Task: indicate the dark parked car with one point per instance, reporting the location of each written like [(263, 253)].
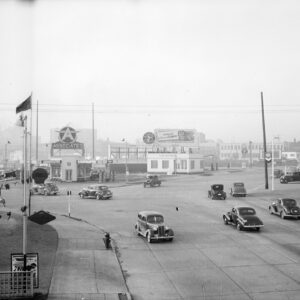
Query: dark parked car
[(152, 180), (243, 217), (150, 224), (97, 191), (285, 207), (217, 192), (238, 190), (49, 188), (290, 177)]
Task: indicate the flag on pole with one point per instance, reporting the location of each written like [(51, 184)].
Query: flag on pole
[(25, 105)]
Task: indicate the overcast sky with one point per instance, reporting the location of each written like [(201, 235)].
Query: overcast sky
[(149, 64)]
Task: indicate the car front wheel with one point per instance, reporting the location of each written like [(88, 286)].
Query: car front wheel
[(225, 220), (282, 216), (239, 227), (81, 196), (257, 228), (98, 197), (149, 237)]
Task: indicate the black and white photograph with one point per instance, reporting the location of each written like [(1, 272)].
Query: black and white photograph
[(149, 149)]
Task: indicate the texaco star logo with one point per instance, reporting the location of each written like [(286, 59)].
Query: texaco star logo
[(67, 135)]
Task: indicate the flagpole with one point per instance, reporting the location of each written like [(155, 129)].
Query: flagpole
[(24, 193), (93, 129), (30, 162)]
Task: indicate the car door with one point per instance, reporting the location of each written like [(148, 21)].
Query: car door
[(279, 206), (234, 215), (92, 192), (275, 206), (143, 225)]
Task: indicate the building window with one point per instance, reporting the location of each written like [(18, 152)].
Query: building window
[(165, 164), (154, 164), (69, 164), (183, 164), (192, 164)]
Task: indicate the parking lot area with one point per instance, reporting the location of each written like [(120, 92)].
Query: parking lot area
[(207, 259)]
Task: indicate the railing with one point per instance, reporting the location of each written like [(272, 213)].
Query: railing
[(16, 284)]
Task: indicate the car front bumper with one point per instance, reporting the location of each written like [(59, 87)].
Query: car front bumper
[(164, 237), (252, 226)]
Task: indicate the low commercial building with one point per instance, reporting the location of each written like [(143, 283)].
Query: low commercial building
[(174, 163)]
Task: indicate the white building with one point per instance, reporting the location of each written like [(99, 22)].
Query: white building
[(173, 163)]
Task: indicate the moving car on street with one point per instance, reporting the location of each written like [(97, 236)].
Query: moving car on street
[(243, 217), (96, 191), (285, 208), (295, 176), (150, 224), (49, 188), (217, 192), (152, 180), (238, 189)]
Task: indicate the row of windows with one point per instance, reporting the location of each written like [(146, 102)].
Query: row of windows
[(253, 147), (236, 155), (181, 165)]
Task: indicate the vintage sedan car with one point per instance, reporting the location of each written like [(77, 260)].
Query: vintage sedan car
[(238, 189), (150, 224), (217, 192), (295, 176), (243, 217), (96, 191), (285, 208), (49, 188), (152, 180)]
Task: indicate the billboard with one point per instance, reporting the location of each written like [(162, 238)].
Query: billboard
[(175, 135)]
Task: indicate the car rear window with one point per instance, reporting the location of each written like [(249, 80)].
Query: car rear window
[(246, 211)]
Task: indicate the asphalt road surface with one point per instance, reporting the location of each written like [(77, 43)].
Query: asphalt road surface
[(207, 259)]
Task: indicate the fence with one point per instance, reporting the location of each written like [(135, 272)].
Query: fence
[(16, 284)]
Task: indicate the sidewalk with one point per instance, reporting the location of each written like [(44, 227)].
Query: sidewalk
[(83, 268)]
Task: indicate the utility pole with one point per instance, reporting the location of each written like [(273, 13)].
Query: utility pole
[(24, 193), (37, 134), (265, 143), (93, 126)]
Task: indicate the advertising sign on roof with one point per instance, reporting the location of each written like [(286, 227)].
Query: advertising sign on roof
[(67, 142), (175, 135)]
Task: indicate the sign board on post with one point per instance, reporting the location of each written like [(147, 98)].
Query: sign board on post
[(32, 264), (268, 157)]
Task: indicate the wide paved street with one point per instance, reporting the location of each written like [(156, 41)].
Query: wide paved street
[(207, 259)]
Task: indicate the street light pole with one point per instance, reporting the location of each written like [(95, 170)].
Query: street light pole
[(5, 155), (24, 193), (273, 161)]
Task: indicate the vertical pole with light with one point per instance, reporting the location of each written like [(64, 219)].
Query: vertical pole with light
[(5, 155), (25, 105), (24, 192), (272, 176)]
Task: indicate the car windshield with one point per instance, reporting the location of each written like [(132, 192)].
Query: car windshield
[(102, 187), (246, 211), (289, 202), (155, 219)]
